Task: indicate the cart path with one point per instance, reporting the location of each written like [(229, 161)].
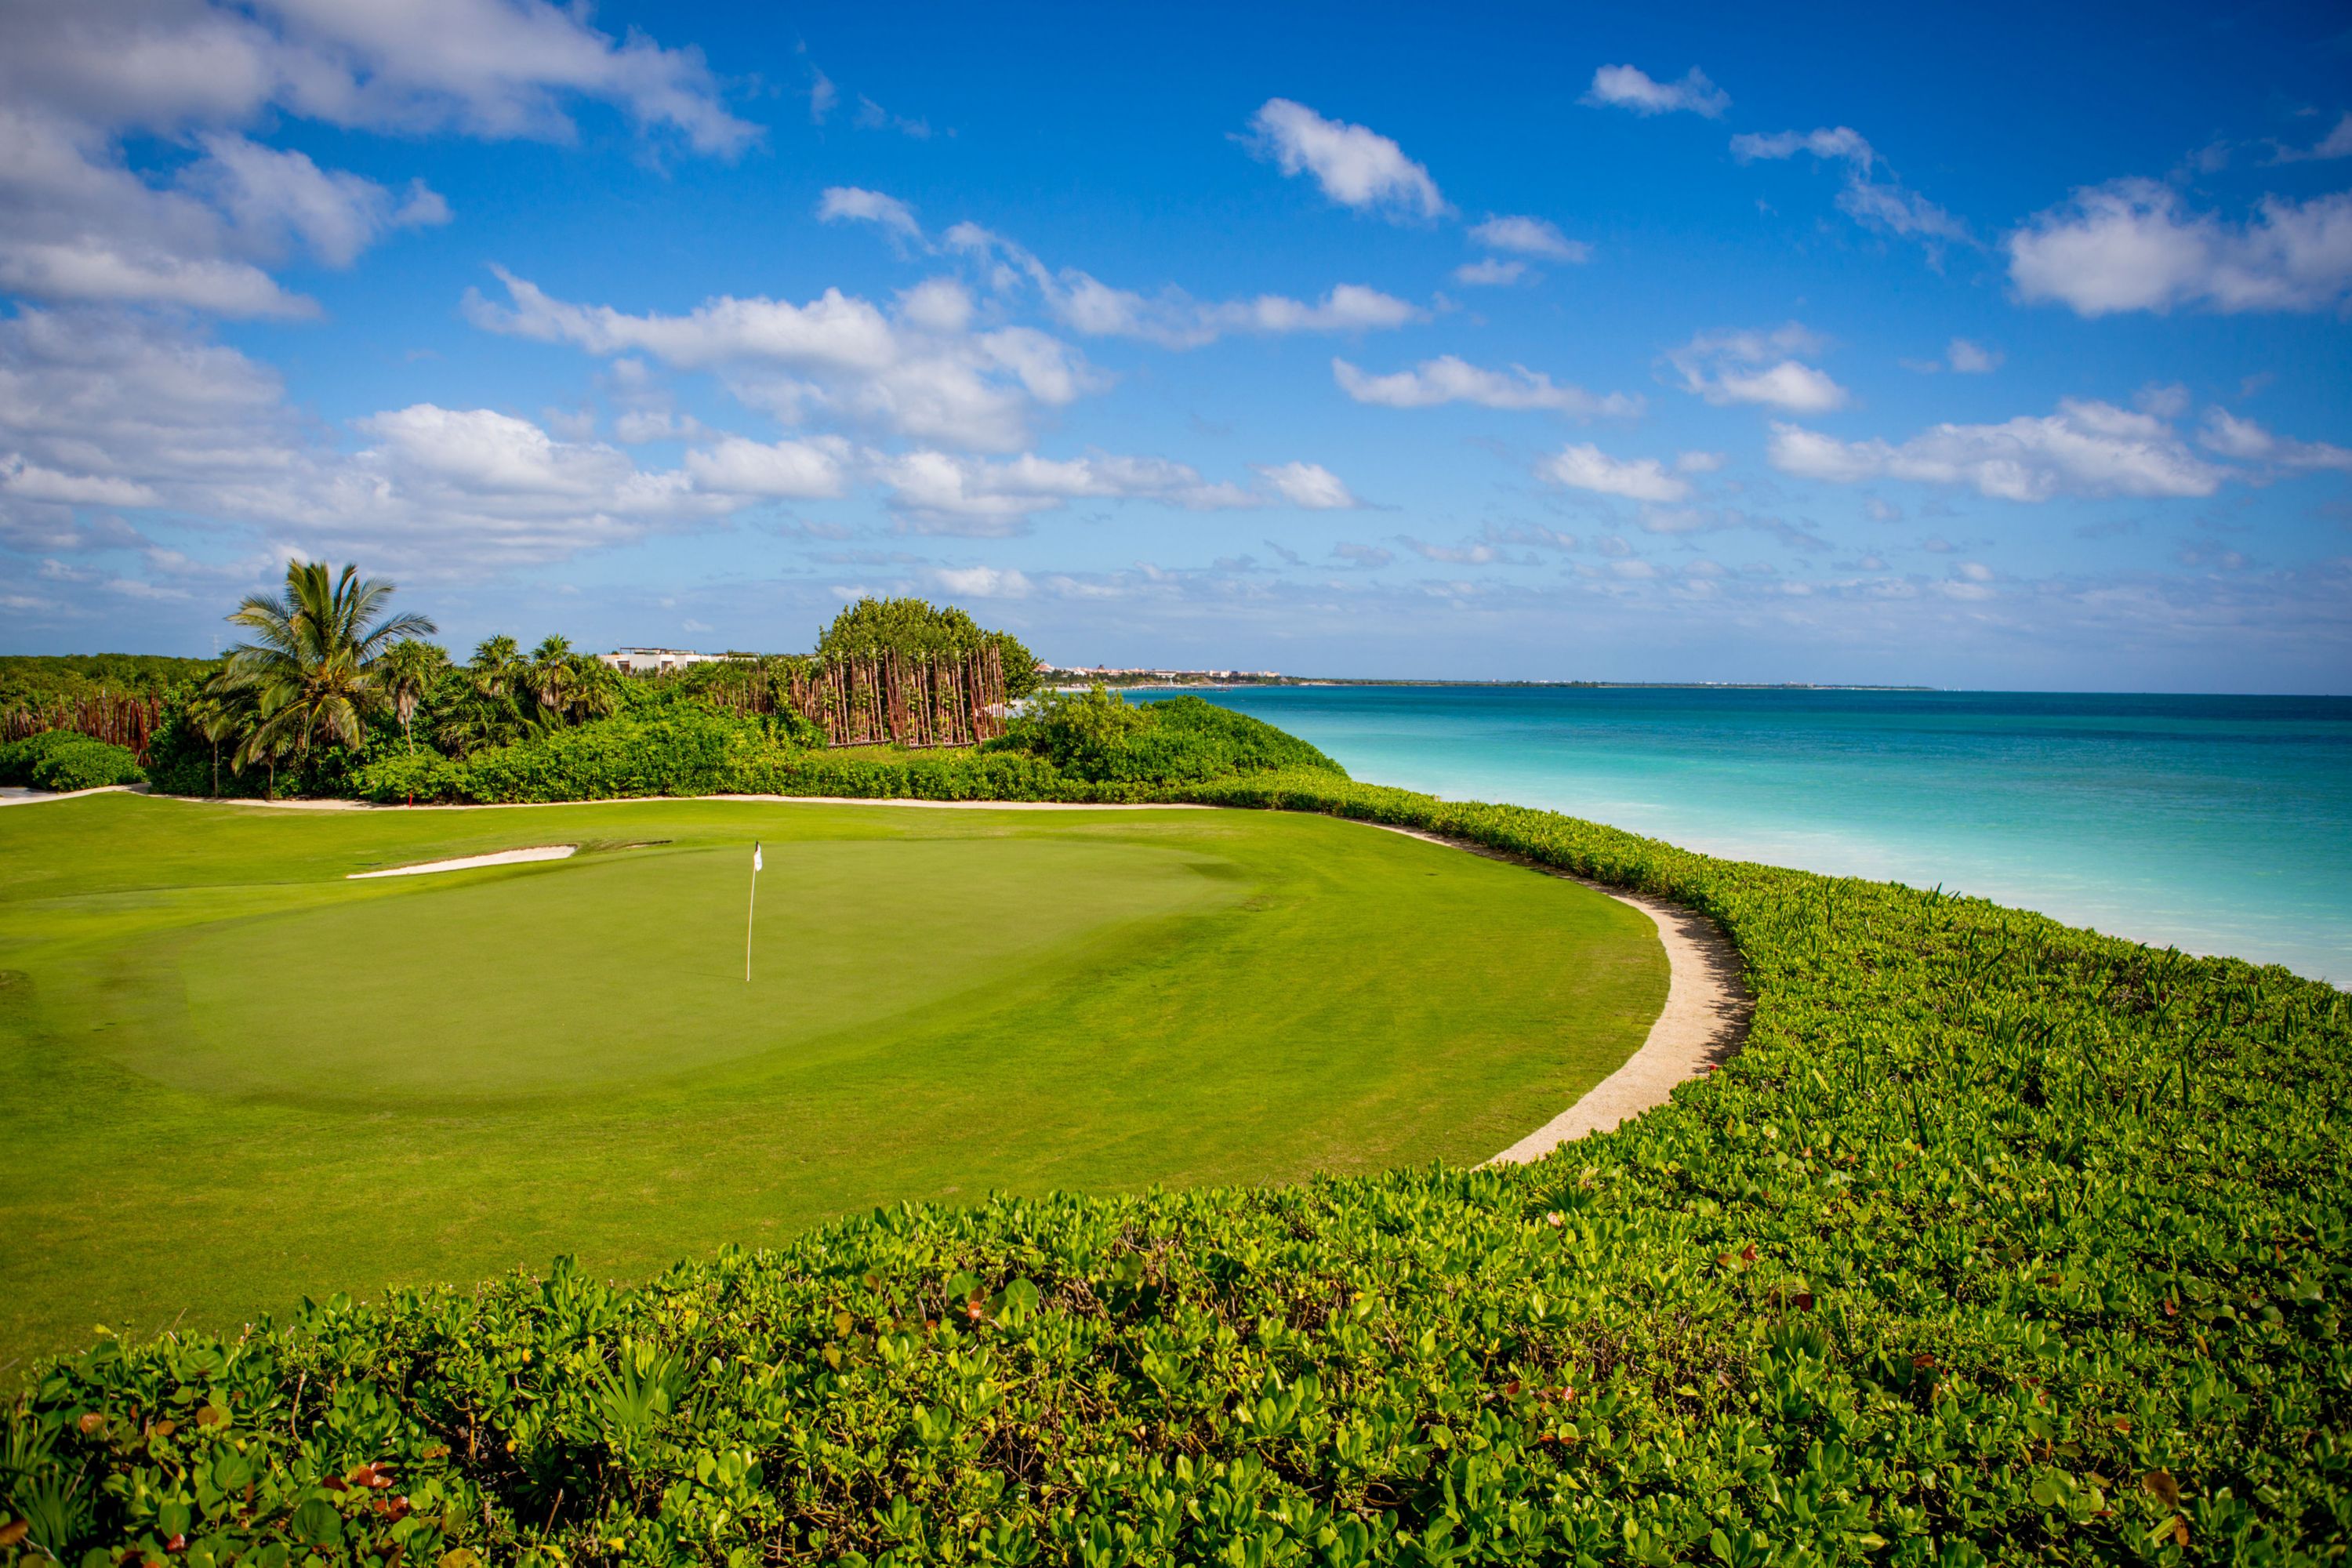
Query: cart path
[(1702, 1026)]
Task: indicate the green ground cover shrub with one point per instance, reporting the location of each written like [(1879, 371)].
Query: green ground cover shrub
[(2001, 1240), (65, 760), (92, 764), (1100, 736)]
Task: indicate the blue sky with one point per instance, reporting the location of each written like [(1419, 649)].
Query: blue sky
[(1977, 346)]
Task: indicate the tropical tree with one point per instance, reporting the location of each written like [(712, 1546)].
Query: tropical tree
[(407, 672), (496, 668), (309, 670), (553, 675), (219, 711), (596, 689), (919, 628)]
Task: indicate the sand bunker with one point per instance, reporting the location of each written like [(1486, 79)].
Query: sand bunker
[(467, 862)]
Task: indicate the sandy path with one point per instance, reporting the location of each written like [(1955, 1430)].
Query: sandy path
[(1700, 1027), (13, 795)]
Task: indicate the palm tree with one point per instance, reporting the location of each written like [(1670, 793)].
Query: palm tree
[(596, 689), (553, 675), (311, 668), (219, 713), (496, 664), (406, 672)]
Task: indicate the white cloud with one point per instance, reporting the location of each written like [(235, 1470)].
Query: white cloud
[(872, 116), (1448, 379), (1878, 203), (1628, 87), (100, 408), (849, 201), (2336, 143), (919, 371), (801, 471), (1587, 468), (1840, 142), (1757, 368), (2086, 449), (1530, 237), (984, 581), (1172, 318), (276, 198), (1491, 272), (493, 69), (1309, 486), (2243, 438), (1968, 358), (30, 482), (77, 222), (1357, 167), (942, 493), (1477, 554), (2133, 245)]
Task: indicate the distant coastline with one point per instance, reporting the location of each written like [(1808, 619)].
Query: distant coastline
[(1078, 678)]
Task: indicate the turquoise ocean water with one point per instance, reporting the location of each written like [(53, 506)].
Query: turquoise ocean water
[(2213, 824)]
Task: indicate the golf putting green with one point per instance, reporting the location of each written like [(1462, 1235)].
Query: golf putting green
[(234, 1078)]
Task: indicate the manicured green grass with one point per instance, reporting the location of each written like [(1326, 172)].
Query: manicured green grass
[(231, 1078)]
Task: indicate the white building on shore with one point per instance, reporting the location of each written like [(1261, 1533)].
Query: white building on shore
[(654, 660)]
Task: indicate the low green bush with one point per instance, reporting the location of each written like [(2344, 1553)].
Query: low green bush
[(18, 757), (63, 758), (1999, 1241), (1098, 735), (92, 764)]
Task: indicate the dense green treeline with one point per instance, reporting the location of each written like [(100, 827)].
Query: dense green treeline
[(2000, 1241), (38, 681), (1092, 746)]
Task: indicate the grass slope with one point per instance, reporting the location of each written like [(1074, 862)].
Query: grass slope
[(232, 1076)]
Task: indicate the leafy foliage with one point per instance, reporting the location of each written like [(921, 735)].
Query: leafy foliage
[(36, 680), (1098, 735), (1999, 1240), (917, 626), (63, 760), (308, 674), (92, 764)]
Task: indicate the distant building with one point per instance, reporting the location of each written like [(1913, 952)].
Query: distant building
[(654, 660)]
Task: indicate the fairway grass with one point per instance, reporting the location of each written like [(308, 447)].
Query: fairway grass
[(232, 1078)]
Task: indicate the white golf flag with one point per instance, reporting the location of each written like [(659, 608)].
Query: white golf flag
[(755, 857)]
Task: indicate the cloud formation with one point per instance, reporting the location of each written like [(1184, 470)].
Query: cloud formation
[(1357, 167), (1587, 467), (2134, 244), (201, 229), (1173, 319), (1753, 367), (1871, 195), (919, 370), (2085, 448), (1308, 486), (1629, 87), (1529, 236), (1449, 379)]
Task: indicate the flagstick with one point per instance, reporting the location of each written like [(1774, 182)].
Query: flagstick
[(750, 912)]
